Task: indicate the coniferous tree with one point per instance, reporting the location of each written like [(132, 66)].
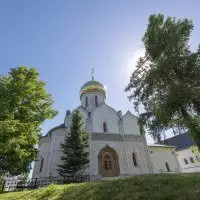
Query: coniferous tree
[(75, 156)]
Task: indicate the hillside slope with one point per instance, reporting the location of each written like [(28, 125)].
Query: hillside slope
[(151, 187)]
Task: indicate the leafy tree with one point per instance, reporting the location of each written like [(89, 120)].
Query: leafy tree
[(24, 106), (75, 149), (166, 79), (24, 178)]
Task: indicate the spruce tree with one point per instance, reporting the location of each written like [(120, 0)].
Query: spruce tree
[(75, 156)]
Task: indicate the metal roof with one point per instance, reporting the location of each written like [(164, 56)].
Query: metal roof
[(182, 141), (53, 129)]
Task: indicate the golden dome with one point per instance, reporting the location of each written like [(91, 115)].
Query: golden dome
[(93, 86)]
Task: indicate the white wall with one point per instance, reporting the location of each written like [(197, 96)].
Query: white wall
[(57, 138), (43, 153), (130, 124), (142, 163), (51, 154), (190, 167), (160, 155), (96, 147), (125, 156), (91, 100), (104, 113)]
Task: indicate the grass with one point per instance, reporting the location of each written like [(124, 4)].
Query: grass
[(147, 187)]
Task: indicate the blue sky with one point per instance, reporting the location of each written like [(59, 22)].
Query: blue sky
[(65, 39)]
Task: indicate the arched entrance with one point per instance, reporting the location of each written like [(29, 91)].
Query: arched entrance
[(108, 162)]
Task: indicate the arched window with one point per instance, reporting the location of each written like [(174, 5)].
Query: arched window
[(134, 159), (167, 166), (191, 159), (198, 159), (86, 101), (41, 164), (104, 127), (186, 161), (96, 101)]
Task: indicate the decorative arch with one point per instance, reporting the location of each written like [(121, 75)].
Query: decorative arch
[(108, 162)]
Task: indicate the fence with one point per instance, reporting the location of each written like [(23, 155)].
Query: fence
[(15, 184)]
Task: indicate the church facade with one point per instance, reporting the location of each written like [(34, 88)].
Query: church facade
[(116, 148)]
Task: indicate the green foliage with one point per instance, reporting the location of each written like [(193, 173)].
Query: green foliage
[(195, 150), (166, 79), (147, 187), (75, 149), (24, 106), (24, 178)]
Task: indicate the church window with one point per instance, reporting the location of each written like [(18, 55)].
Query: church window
[(41, 164), (96, 101), (134, 159), (86, 101), (104, 127), (191, 159), (167, 166), (198, 159), (89, 114), (185, 160)]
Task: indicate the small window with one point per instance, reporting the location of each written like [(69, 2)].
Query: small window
[(41, 165), (134, 159), (198, 159), (167, 166), (185, 160), (86, 101), (89, 114), (96, 101), (104, 127), (191, 159)]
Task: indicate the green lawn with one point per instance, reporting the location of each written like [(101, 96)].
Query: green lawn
[(151, 187)]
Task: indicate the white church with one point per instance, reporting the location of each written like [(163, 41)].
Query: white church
[(116, 147)]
